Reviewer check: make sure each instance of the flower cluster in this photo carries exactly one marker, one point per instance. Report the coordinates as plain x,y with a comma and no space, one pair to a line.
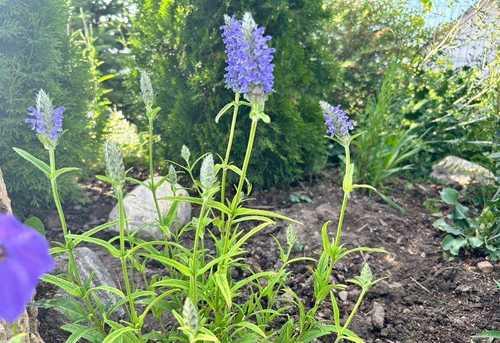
249,58
44,119
115,169
24,257
336,119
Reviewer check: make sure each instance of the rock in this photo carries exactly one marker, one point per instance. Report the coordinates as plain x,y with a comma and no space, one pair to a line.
28,323
378,315
343,295
91,266
454,170
485,267
463,289
141,212
325,212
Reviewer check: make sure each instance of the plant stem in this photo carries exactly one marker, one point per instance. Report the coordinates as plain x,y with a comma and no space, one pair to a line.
123,260
194,259
345,200
338,235
246,162
73,270
228,149
151,169
351,315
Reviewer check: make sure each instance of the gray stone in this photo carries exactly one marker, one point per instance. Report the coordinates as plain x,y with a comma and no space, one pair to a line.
454,170
141,212
378,315
485,267
326,212
343,295
92,267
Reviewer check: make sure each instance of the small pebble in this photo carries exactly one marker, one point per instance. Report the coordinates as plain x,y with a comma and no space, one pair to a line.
378,315
343,295
485,267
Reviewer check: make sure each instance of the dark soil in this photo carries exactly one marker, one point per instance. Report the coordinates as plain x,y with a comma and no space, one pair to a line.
425,296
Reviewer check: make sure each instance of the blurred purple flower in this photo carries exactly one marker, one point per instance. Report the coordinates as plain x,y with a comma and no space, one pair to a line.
249,58
24,258
336,119
44,119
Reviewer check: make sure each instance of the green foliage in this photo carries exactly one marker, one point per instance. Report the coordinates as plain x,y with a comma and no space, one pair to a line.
179,41
364,37
457,109
386,145
463,231
198,286
35,54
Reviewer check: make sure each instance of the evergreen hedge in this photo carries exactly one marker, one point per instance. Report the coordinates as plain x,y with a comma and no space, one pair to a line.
180,43
35,53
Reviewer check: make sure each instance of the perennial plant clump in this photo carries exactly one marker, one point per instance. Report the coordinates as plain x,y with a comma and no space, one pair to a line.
196,283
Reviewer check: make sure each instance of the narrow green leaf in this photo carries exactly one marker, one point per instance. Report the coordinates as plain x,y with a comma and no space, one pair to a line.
44,167
67,286
183,269
223,285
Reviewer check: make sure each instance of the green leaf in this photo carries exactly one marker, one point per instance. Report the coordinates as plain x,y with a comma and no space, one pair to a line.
80,331
449,196
97,241
242,211
170,262
442,225
223,111
66,170
19,338
36,223
475,242
453,245
252,327
44,167
68,286
119,334
489,334
223,285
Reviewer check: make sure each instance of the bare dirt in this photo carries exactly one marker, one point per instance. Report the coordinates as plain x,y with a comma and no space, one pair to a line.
424,298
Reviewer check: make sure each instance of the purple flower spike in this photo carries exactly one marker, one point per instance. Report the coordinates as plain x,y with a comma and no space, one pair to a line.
249,58
44,119
336,119
24,258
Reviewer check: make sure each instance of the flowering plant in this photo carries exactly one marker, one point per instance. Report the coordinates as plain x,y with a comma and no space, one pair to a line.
197,284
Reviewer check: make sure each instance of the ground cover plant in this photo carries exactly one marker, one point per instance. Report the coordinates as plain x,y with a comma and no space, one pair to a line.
197,287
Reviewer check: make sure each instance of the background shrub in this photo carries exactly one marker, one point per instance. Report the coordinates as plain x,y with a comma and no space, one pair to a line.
35,53
180,41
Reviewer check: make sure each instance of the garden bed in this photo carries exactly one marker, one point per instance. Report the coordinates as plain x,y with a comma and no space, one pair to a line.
425,296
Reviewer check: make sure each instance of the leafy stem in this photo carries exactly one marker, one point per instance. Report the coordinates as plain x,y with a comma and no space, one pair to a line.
229,148
122,223
361,297
151,167
73,270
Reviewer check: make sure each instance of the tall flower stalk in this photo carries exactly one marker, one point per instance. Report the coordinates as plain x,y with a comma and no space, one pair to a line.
249,71
47,122
147,93
115,171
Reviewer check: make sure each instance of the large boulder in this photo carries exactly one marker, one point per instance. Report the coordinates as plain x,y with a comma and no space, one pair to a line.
141,212
454,171
27,323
